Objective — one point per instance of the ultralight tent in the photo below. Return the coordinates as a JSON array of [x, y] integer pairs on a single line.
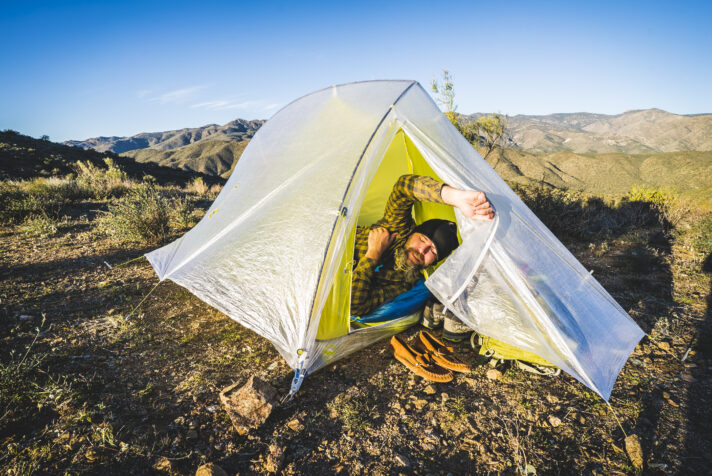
[[275, 250]]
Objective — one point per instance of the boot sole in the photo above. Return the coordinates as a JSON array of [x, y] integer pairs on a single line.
[[455, 337]]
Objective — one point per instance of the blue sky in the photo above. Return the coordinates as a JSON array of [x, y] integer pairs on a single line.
[[75, 70]]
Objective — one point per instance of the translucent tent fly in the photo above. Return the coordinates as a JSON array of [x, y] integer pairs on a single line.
[[275, 250]]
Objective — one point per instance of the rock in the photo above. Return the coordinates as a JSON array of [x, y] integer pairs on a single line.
[[250, 405], [274, 458], [294, 425], [272, 366], [664, 346], [210, 469], [25, 317], [419, 403], [212, 408], [164, 465], [552, 399], [554, 421], [402, 460], [493, 374], [430, 390], [637, 362], [635, 452]]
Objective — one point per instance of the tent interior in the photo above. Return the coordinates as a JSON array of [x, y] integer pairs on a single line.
[[401, 157]]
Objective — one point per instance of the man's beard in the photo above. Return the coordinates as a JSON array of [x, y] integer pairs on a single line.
[[412, 271]]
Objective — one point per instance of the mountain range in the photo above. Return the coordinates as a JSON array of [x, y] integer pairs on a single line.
[[584, 151], [632, 132], [237, 130]]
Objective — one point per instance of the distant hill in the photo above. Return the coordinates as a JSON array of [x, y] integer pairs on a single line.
[[649, 147], [24, 157], [632, 132], [688, 172], [213, 157], [237, 130]]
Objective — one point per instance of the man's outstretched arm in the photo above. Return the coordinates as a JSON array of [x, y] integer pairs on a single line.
[[409, 189]]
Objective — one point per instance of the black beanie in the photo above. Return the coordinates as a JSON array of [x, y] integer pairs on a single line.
[[443, 233]]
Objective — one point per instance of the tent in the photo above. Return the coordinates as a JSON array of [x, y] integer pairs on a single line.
[[275, 250]]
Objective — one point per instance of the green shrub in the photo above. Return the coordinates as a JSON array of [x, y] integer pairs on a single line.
[[141, 216], [14, 206], [656, 196], [701, 231], [38, 196], [39, 225], [57, 189], [182, 212], [580, 215], [101, 183], [666, 200]]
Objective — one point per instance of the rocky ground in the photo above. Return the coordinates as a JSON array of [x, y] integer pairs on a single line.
[[90, 387]]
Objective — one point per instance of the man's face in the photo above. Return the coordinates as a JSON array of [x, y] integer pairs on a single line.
[[420, 250]]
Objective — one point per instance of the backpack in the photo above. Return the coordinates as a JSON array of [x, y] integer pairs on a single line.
[[499, 352]]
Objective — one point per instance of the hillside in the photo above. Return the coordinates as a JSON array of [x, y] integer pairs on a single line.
[[690, 173], [213, 157], [632, 132], [23, 157], [237, 130]]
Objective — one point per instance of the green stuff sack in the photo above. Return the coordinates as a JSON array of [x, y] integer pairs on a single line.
[[524, 360]]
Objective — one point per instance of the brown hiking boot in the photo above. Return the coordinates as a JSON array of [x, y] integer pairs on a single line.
[[441, 354], [454, 330], [419, 364]]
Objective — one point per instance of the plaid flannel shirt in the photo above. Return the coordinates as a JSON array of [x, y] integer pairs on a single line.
[[372, 282]]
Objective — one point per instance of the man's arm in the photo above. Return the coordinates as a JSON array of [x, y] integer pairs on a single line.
[[417, 188], [407, 190], [471, 203], [365, 297]]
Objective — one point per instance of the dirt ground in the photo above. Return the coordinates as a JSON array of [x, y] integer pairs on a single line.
[[97, 390]]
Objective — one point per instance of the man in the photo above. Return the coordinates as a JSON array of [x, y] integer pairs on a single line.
[[391, 254]]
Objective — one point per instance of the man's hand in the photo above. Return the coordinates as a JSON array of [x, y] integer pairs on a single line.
[[379, 239], [471, 203]]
